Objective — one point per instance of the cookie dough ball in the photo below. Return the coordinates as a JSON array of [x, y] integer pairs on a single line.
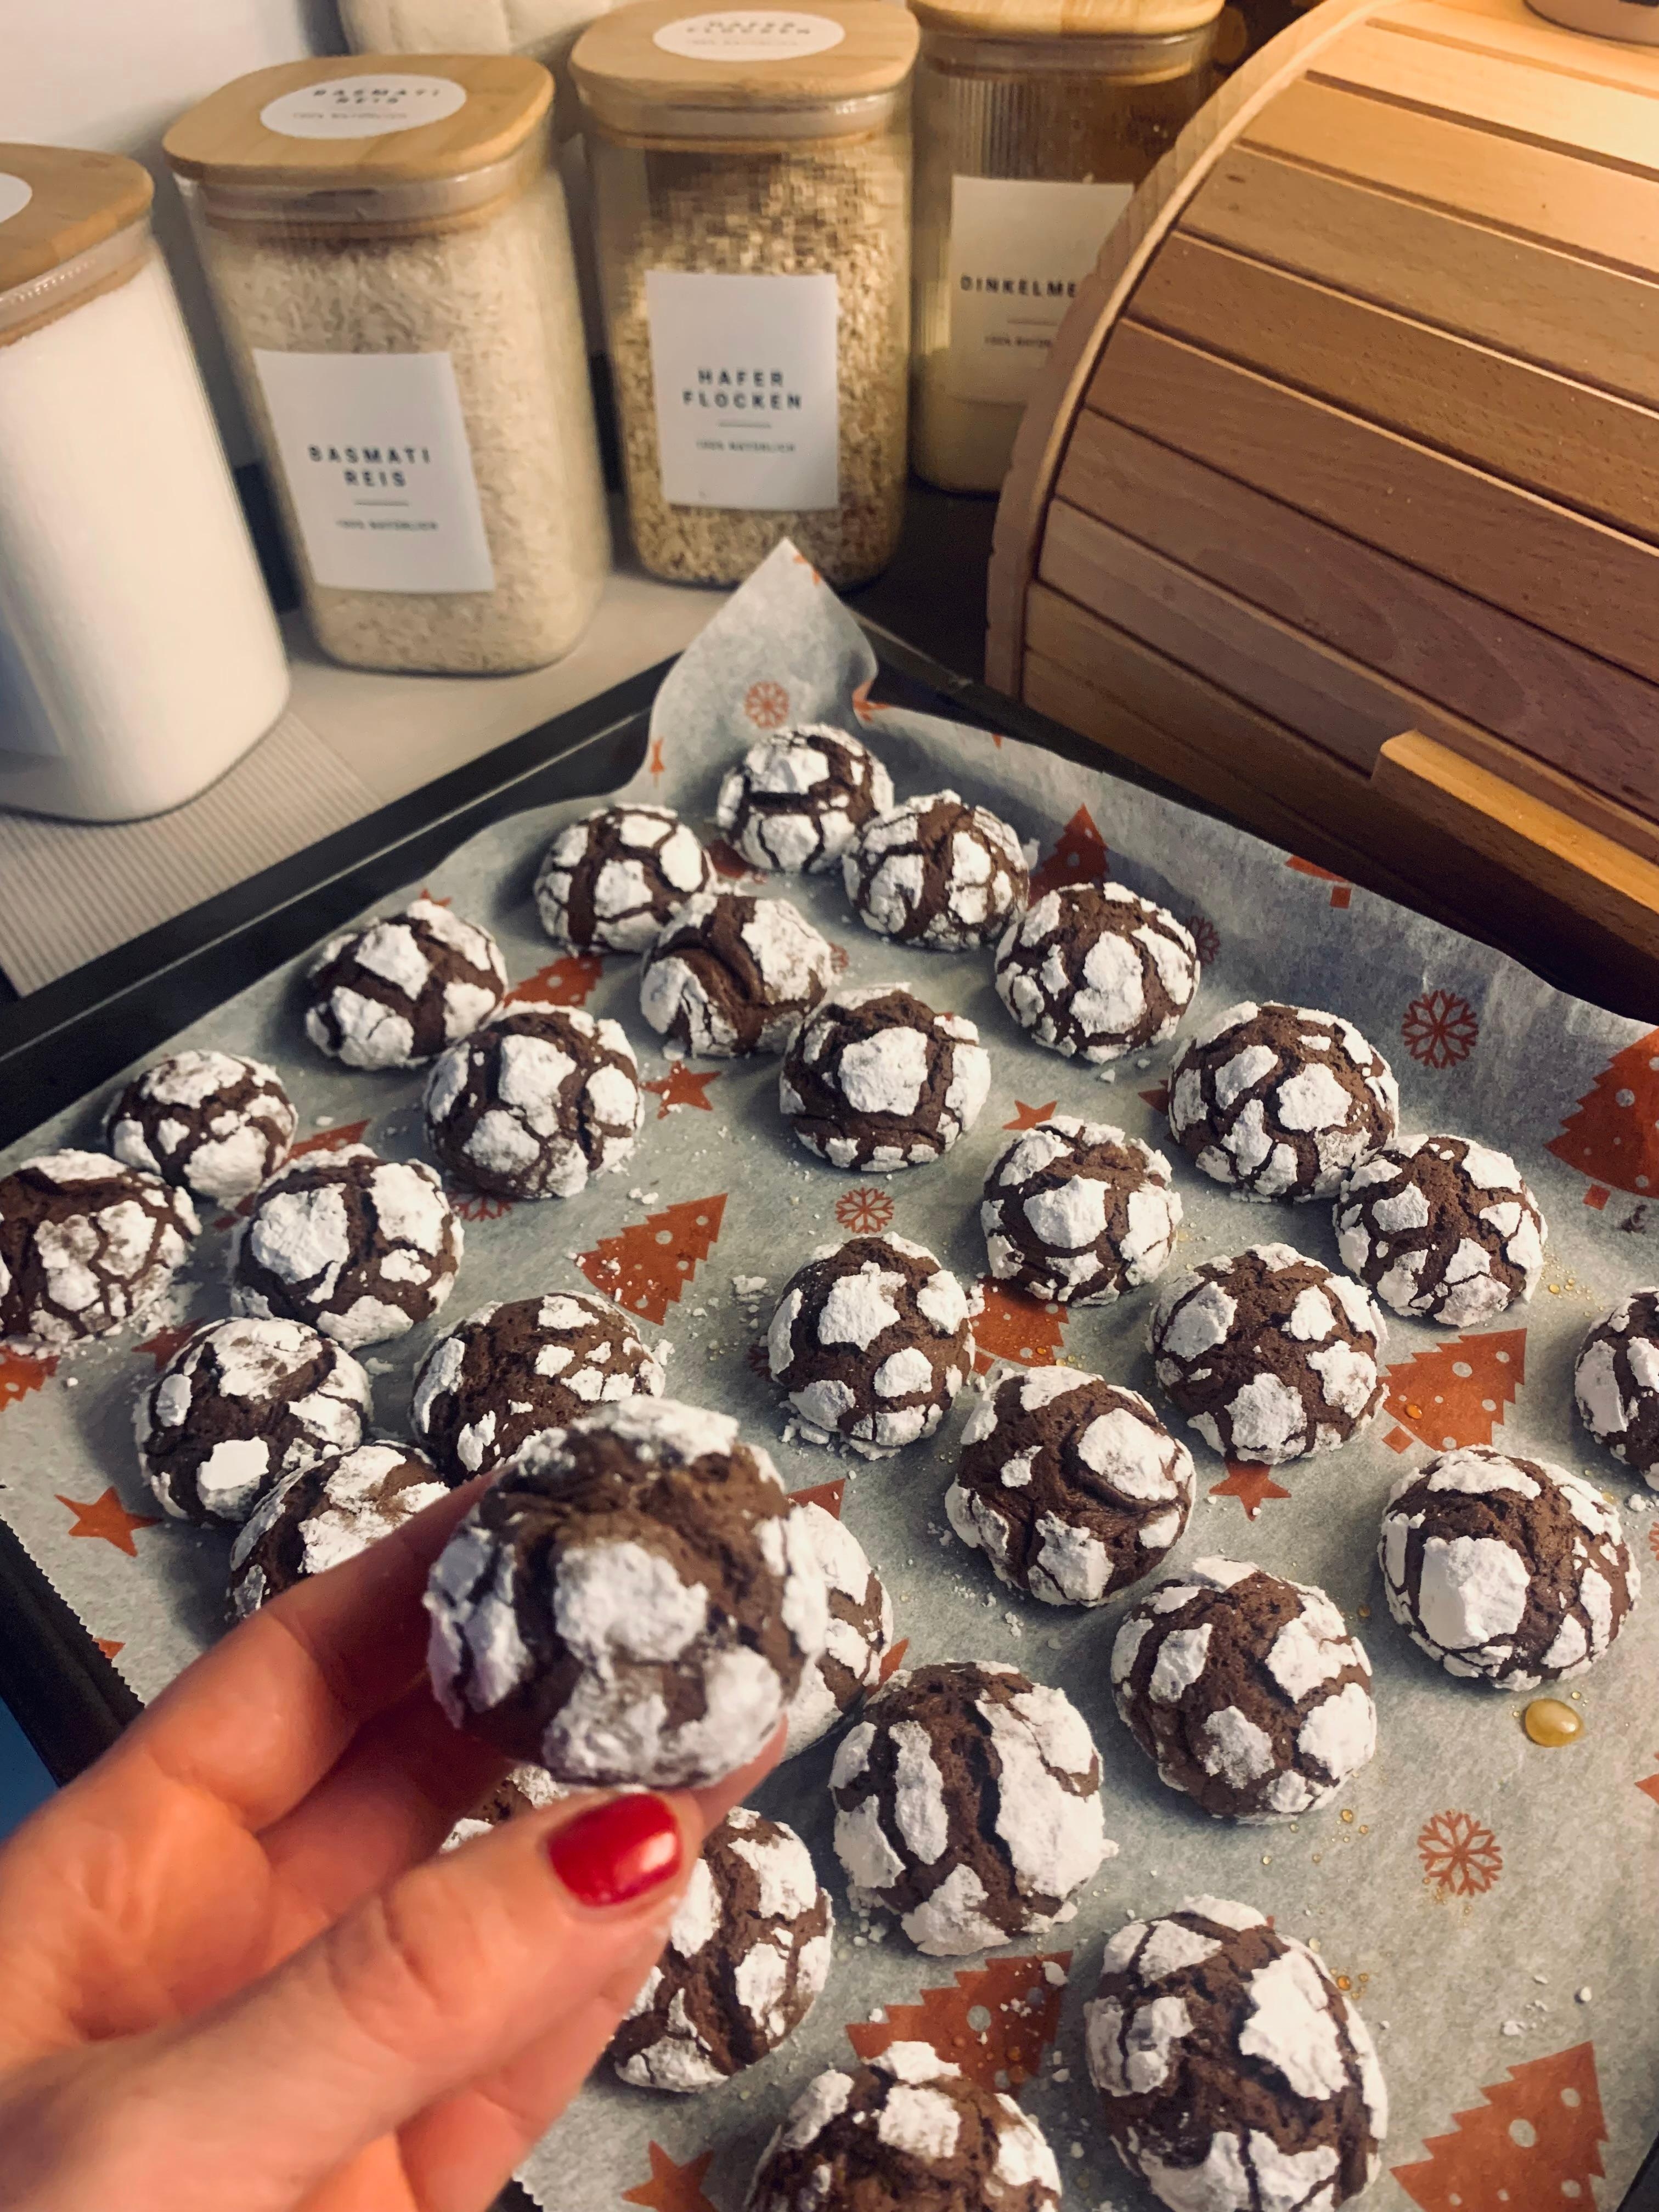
[[535, 1103], [1076, 1212], [857, 1639], [936, 872], [1616, 1383], [733, 975], [510, 1371], [907, 2133], [871, 1342], [1245, 1691], [797, 800], [1281, 1102], [968, 1804], [630, 1601], [1069, 1486], [85, 1245], [361, 1248], [394, 993], [1507, 1570], [1269, 1355], [609, 882], [239, 1407], [748, 1952], [1441, 1228], [1094, 972], [1232, 2070], [324, 1514], [211, 1121], [875, 1080]]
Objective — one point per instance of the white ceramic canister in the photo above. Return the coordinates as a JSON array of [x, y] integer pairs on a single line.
[[139, 657]]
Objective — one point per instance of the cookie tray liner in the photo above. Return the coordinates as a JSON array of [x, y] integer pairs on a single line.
[[1488, 1902]]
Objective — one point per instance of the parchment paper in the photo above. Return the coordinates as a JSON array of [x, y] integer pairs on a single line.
[[1470, 1883]]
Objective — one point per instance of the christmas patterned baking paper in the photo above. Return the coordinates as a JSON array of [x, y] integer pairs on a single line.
[[1487, 1900]]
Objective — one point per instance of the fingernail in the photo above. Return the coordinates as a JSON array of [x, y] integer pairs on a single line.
[[619, 1850]]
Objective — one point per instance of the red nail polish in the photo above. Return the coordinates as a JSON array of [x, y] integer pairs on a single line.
[[619, 1850]]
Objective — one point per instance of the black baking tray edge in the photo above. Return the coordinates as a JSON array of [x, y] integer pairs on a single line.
[[66, 1039]]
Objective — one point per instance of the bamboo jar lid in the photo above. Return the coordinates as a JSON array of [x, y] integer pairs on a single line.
[[661, 54], [1064, 19], [56, 204]]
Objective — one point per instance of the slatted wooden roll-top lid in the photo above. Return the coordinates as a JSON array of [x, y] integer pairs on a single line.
[[1354, 432]]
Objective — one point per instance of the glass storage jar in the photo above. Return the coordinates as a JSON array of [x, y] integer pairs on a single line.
[[751, 179], [139, 657], [388, 249], [1036, 119]]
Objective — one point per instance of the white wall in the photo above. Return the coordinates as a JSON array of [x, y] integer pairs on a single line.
[[111, 75]]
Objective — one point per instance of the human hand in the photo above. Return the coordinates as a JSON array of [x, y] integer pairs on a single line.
[[233, 1978]]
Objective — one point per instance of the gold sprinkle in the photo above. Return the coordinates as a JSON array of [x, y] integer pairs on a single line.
[[1363, 1829], [1365, 1613], [1343, 1982], [1549, 1722], [1316, 1858], [1554, 1288], [1347, 1815], [1267, 1858]]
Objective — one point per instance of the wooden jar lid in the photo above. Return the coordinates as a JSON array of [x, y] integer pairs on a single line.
[[669, 54], [76, 201], [1064, 19], [262, 131]]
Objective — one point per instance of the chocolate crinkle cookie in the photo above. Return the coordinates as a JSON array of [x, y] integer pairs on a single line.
[[239, 1406], [1616, 1383], [509, 1371], [1092, 971], [394, 993], [936, 872], [871, 1342], [324, 1514], [1441, 1228], [1507, 1570], [525, 1789], [858, 1636], [1281, 1102], [630, 1601], [361, 1248], [875, 1080], [796, 800], [1233, 2070], [1269, 1355], [212, 1121], [1246, 1690], [535, 1103], [968, 1804], [86, 1244], [1071, 1486], [1076, 1212], [733, 975], [909, 2132], [609, 882], [747, 1952]]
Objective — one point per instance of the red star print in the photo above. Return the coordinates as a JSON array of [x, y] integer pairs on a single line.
[[1027, 1117], [1649, 1788], [1341, 890], [672, 2188], [1158, 1097], [107, 1517], [1251, 1485], [658, 764], [162, 1346], [826, 1494], [895, 1659], [680, 1087]]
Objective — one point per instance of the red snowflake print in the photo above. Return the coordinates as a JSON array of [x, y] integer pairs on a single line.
[[479, 1205], [658, 764], [1653, 1541], [864, 1211], [1440, 1029], [1460, 1857], [757, 1359], [839, 957], [1207, 937], [767, 705]]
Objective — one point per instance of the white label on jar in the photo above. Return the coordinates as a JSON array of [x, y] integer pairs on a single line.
[[363, 106], [748, 414], [374, 449], [15, 195], [749, 35], [1018, 249]]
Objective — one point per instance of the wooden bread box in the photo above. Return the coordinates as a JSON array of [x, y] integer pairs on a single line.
[[1338, 502]]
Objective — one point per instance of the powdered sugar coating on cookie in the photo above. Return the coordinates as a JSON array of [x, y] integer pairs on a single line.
[[394, 993], [797, 800], [1093, 971], [536, 1103], [1076, 1212], [874, 1080], [858, 1636], [85, 1243], [321, 1515], [733, 975], [609, 882], [1615, 1382], [937, 872], [212, 1121], [1443, 1228]]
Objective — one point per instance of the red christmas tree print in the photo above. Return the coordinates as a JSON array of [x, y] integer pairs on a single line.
[[673, 2187], [109, 1645], [648, 1266], [1341, 888], [767, 705], [1252, 1486], [728, 863], [1457, 1393], [1079, 857], [893, 1659], [327, 1141], [679, 1087], [826, 1494], [1013, 1327], [1611, 1135], [19, 1373], [994, 2021], [1158, 1097], [1440, 1029], [1461, 1856], [166, 1341], [1535, 2142], [862, 705], [864, 1211], [566, 981], [107, 1517]]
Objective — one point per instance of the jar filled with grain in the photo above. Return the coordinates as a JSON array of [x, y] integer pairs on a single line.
[[388, 249], [1036, 119], [751, 175]]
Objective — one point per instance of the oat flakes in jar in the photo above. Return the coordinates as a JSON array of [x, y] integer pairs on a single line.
[[751, 175]]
